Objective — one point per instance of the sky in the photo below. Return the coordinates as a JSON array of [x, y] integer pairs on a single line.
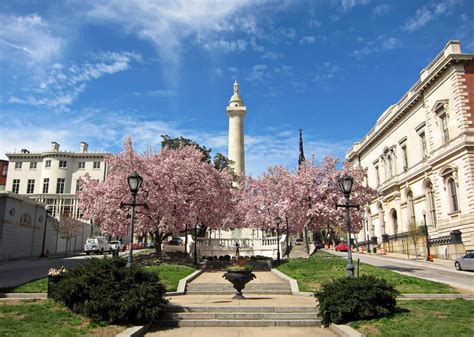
[[99, 71]]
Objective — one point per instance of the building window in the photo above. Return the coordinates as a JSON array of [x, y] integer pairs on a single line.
[[16, 186], [390, 167], [377, 176], [33, 165], [30, 188], [424, 148], [45, 185], [405, 158], [4, 170], [82, 164], [60, 186], [453, 195], [62, 164], [430, 202], [444, 127], [18, 165], [411, 208], [97, 164], [78, 186], [47, 164]]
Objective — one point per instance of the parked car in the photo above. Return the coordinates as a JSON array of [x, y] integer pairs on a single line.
[[176, 242], [117, 245], [298, 242], [318, 244], [342, 247], [96, 245], [465, 262]]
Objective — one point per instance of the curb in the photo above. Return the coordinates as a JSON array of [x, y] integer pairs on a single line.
[[23, 296], [345, 330], [295, 290], [134, 331], [182, 283]]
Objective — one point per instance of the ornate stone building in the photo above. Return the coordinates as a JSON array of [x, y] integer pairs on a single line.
[[51, 177], [420, 154]]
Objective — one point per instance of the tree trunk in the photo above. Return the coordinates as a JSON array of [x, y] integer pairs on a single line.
[[158, 241], [67, 244]]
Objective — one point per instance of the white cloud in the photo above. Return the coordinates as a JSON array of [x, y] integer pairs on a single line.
[[381, 10], [315, 23], [379, 45], [327, 71], [226, 46], [347, 5], [63, 85], [28, 37], [307, 40], [428, 13], [257, 73], [167, 24], [269, 55]]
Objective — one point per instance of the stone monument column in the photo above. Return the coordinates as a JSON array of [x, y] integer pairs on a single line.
[[236, 112]]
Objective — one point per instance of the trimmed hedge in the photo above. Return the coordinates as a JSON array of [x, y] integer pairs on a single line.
[[354, 298], [106, 291]]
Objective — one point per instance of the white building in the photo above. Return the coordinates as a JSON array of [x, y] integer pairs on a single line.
[[51, 177], [420, 155]]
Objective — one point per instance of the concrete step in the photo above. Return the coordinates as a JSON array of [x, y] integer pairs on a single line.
[[241, 316], [268, 288], [244, 291], [219, 309], [237, 323]]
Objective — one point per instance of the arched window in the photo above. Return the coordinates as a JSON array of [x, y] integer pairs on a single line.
[[394, 220], [453, 195], [430, 203], [411, 208]]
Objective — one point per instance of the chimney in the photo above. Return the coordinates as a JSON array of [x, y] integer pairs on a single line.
[[84, 147], [54, 147]]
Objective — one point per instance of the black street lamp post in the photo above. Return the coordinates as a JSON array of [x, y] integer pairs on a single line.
[[368, 239], [277, 221], [428, 254], [134, 183], [47, 211], [345, 184]]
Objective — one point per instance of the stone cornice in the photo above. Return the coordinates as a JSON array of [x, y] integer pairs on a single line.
[[62, 154]]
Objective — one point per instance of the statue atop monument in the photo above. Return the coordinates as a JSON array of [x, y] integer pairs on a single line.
[[236, 100]]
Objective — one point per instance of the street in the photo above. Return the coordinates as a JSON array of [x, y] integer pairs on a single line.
[[444, 273], [13, 273]]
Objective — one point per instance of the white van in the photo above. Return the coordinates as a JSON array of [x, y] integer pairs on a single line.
[[97, 245]]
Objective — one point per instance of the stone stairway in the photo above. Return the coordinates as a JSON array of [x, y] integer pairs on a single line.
[[212, 283], [239, 316], [251, 288]]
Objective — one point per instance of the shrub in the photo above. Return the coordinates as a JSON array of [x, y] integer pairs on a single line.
[[106, 291], [348, 299]]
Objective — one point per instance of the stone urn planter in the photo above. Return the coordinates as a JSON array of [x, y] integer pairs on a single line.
[[54, 276], [239, 278]]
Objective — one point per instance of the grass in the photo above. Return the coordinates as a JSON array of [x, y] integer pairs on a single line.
[[47, 318], [35, 286], [170, 274], [423, 318], [321, 267]]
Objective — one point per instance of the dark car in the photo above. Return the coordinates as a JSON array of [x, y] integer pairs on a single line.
[[318, 244], [342, 247], [176, 242], [465, 262]]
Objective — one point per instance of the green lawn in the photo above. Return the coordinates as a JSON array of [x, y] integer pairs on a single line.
[[311, 273], [35, 286], [170, 274], [47, 318], [423, 318]]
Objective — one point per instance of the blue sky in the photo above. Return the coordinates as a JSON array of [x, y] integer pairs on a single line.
[[97, 71]]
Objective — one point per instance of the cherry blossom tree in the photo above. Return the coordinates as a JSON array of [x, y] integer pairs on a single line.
[[178, 187]]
